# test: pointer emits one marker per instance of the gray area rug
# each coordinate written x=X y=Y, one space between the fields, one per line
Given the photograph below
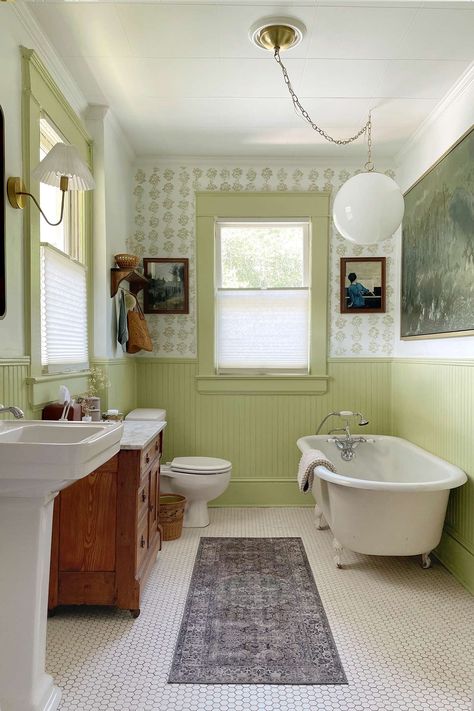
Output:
x=253 y=615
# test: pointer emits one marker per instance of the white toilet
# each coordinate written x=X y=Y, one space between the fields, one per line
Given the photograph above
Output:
x=199 y=479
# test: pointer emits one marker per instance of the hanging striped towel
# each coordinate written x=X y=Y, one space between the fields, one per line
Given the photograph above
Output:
x=308 y=463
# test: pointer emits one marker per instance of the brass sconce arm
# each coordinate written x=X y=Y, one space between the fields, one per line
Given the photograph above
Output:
x=16 y=191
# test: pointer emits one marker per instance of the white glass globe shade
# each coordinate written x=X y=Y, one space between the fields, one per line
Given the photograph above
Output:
x=368 y=208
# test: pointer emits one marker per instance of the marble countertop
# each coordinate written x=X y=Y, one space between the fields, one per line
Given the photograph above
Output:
x=137 y=434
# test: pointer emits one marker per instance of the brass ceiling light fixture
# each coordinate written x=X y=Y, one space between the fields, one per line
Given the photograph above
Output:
x=369 y=206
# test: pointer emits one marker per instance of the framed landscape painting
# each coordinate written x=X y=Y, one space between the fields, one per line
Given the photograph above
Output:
x=167 y=291
x=437 y=298
x=363 y=285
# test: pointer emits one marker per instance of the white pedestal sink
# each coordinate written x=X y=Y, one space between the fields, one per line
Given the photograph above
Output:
x=37 y=459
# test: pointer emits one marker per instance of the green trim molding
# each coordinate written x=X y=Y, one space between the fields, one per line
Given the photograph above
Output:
x=263 y=493
x=267 y=205
x=41 y=96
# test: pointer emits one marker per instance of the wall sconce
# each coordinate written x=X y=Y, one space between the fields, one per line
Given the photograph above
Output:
x=62 y=168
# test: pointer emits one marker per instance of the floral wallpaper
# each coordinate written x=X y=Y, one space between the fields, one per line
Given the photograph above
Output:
x=164 y=224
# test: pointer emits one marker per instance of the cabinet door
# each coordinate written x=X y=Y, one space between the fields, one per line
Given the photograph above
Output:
x=87 y=523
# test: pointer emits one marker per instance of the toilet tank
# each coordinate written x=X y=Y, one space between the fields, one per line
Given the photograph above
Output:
x=147 y=414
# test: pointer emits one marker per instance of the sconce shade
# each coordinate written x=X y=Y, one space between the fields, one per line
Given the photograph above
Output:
x=368 y=208
x=64 y=160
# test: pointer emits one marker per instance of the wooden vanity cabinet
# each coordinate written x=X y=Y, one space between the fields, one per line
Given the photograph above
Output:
x=106 y=532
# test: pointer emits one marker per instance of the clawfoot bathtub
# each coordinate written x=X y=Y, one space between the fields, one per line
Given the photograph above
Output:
x=390 y=499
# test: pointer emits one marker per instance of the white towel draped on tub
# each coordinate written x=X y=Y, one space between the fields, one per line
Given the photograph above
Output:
x=308 y=463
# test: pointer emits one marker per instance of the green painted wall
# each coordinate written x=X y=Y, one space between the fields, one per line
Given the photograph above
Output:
x=433 y=406
x=122 y=375
x=13 y=386
x=258 y=432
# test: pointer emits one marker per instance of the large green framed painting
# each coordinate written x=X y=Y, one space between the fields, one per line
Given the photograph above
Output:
x=438 y=248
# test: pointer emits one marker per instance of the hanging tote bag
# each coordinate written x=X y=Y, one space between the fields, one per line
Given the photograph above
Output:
x=138 y=336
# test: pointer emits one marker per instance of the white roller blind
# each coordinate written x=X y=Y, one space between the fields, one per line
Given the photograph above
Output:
x=64 y=342
x=262 y=297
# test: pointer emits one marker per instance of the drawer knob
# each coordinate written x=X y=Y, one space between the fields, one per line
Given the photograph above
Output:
x=143 y=496
x=147 y=458
x=142 y=542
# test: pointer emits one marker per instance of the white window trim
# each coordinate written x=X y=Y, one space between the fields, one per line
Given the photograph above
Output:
x=211 y=207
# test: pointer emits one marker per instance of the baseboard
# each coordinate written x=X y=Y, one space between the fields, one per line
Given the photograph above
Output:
x=263 y=493
x=457 y=559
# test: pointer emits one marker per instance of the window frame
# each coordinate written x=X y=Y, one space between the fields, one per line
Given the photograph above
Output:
x=228 y=206
x=41 y=98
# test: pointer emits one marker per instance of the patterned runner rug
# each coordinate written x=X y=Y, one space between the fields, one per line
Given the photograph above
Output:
x=253 y=615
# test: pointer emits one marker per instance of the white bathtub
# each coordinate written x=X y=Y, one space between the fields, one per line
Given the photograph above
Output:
x=390 y=499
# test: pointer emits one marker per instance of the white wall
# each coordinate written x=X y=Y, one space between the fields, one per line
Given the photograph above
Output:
x=113 y=166
x=453 y=117
x=12 y=342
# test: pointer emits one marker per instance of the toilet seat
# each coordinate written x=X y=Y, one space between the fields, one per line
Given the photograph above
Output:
x=199 y=465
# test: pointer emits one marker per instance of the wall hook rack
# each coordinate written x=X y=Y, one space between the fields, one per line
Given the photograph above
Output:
x=136 y=281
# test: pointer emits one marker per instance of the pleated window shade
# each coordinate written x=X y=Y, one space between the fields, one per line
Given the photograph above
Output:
x=64 y=338
x=262 y=297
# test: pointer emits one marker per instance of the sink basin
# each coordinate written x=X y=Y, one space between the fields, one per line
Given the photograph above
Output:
x=42 y=457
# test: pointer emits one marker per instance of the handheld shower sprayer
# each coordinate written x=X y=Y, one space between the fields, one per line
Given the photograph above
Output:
x=346 y=414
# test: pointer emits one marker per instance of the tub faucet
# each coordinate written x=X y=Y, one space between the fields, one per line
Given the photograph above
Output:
x=348 y=444
x=16 y=412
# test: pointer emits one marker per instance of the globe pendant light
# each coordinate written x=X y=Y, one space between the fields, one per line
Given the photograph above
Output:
x=369 y=207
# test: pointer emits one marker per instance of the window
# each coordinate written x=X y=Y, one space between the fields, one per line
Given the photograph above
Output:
x=261 y=327
x=262 y=297
x=64 y=338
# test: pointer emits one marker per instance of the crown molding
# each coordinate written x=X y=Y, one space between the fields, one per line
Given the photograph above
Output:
x=104 y=114
x=462 y=85
x=320 y=163
x=51 y=59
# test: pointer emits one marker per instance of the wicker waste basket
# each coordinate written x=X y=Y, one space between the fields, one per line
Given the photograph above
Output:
x=171 y=515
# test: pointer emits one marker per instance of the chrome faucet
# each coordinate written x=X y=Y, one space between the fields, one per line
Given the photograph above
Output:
x=16 y=412
x=346 y=444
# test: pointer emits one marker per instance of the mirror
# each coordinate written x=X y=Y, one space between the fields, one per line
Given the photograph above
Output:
x=2 y=215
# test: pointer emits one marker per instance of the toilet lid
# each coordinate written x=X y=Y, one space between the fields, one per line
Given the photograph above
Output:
x=200 y=464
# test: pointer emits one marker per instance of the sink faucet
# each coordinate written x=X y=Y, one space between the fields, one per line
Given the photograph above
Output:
x=16 y=412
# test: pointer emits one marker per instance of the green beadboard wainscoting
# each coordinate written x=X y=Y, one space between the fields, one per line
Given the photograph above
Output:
x=258 y=432
x=122 y=375
x=13 y=384
x=433 y=406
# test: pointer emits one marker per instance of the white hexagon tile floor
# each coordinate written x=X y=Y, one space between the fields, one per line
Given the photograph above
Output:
x=405 y=635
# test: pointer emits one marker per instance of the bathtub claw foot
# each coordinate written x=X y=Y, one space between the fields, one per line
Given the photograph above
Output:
x=319 y=516
x=338 y=550
x=425 y=561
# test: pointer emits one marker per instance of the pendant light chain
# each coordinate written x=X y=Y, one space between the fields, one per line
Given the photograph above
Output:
x=339 y=141
x=369 y=166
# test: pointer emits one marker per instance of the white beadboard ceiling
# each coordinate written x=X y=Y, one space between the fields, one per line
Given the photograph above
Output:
x=184 y=79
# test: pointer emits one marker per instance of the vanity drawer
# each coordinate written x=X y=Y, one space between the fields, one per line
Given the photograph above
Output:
x=151 y=452
x=142 y=541
x=143 y=497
